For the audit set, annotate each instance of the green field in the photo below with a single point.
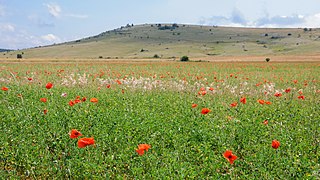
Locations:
(171, 41)
(151, 103)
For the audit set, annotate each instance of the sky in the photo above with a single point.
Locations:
(32, 23)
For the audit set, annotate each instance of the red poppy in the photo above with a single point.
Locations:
(108, 86)
(202, 89)
(43, 100)
(83, 142)
(275, 144)
(301, 97)
(45, 111)
(77, 101)
(29, 79)
(74, 133)
(71, 103)
(205, 111)
(229, 156)
(49, 85)
(142, 148)
(277, 94)
(234, 104)
(265, 122)
(243, 100)
(287, 90)
(5, 89)
(140, 151)
(118, 82)
(83, 99)
(94, 100)
(268, 102)
(211, 88)
(194, 105)
(261, 101)
(295, 81)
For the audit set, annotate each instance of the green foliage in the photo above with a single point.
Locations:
(184, 58)
(155, 108)
(267, 59)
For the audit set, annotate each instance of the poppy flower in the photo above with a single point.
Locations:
(260, 101)
(142, 148)
(277, 94)
(45, 111)
(94, 100)
(287, 90)
(301, 97)
(74, 133)
(71, 103)
(43, 100)
(211, 88)
(229, 156)
(5, 89)
(205, 111)
(194, 105)
(29, 79)
(268, 102)
(275, 144)
(83, 142)
(234, 104)
(108, 86)
(77, 101)
(83, 99)
(243, 100)
(49, 85)
(265, 122)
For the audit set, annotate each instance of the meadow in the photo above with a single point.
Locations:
(160, 120)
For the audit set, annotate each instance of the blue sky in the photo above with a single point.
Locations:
(31, 23)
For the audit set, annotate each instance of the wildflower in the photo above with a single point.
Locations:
(205, 111)
(76, 101)
(83, 99)
(265, 122)
(64, 95)
(29, 79)
(142, 148)
(83, 142)
(301, 97)
(268, 102)
(234, 104)
(5, 89)
(71, 103)
(45, 111)
(94, 100)
(243, 100)
(278, 94)
(194, 105)
(211, 88)
(108, 86)
(295, 81)
(49, 85)
(287, 90)
(260, 101)
(275, 144)
(229, 156)
(74, 133)
(43, 100)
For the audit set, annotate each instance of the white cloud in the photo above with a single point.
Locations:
(50, 38)
(54, 9)
(7, 28)
(289, 21)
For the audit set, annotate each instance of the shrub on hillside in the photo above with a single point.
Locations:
(184, 58)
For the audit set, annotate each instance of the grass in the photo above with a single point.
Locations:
(152, 105)
(191, 40)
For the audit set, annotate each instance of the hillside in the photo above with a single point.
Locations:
(174, 41)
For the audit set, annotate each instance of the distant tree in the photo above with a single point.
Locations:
(19, 56)
(156, 56)
(267, 59)
(184, 58)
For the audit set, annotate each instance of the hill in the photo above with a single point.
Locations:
(175, 40)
